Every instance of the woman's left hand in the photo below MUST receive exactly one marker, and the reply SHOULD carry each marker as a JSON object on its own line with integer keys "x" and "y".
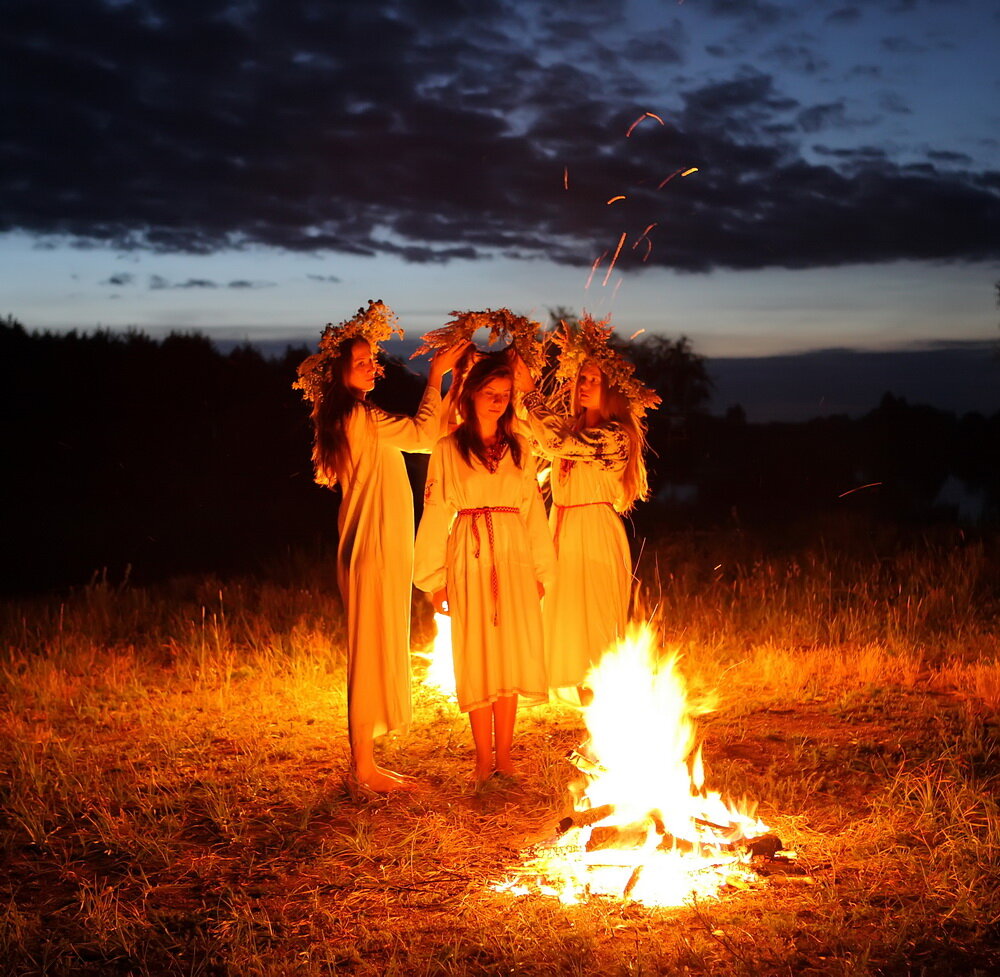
{"x": 445, "y": 359}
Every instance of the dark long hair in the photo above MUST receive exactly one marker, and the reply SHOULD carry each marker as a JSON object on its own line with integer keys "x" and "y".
{"x": 468, "y": 437}
{"x": 615, "y": 407}
{"x": 331, "y": 454}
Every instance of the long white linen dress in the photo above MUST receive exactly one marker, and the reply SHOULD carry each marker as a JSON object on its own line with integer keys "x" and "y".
{"x": 375, "y": 558}
{"x": 484, "y": 534}
{"x": 588, "y": 608}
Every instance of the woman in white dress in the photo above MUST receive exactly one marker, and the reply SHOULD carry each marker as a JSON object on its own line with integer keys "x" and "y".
{"x": 598, "y": 472}
{"x": 484, "y": 553}
{"x": 359, "y": 446}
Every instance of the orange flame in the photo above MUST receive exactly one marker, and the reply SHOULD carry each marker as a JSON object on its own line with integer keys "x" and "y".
{"x": 645, "y": 828}
{"x": 440, "y": 674}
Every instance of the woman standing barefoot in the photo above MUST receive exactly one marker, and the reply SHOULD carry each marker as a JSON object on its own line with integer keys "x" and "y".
{"x": 597, "y": 472}
{"x": 483, "y": 551}
{"x": 359, "y": 446}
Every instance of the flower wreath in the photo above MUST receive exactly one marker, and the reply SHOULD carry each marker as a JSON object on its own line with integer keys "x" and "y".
{"x": 376, "y": 324}
{"x": 591, "y": 341}
{"x": 516, "y": 330}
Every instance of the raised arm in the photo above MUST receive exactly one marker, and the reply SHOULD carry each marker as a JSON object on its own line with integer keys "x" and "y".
{"x": 420, "y": 432}
{"x": 431, "y": 546}
{"x": 607, "y": 445}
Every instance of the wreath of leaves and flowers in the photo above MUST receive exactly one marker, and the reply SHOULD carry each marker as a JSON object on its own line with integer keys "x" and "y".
{"x": 504, "y": 327}
{"x": 376, "y": 324}
{"x": 591, "y": 340}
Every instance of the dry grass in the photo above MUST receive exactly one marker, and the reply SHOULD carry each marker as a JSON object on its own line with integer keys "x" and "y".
{"x": 173, "y": 797}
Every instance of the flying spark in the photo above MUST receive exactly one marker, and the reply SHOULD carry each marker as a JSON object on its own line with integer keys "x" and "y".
{"x": 645, "y": 115}
{"x": 621, "y": 241}
{"x": 620, "y": 196}
{"x": 649, "y": 227}
{"x": 858, "y": 489}
{"x": 682, "y": 173}
{"x": 638, "y": 332}
{"x": 565, "y": 178}
{"x": 593, "y": 268}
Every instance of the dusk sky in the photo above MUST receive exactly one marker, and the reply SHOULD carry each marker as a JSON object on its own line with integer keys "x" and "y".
{"x": 255, "y": 169}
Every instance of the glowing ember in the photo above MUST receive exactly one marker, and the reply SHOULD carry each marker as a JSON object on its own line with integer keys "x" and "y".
{"x": 565, "y": 178}
{"x": 859, "y": 488}
{"x": 645, "y": 115}
{"x": 644, "y": 827}
{"x": 593, "y": 268}
{"x": 621, "y": 241}
{"x": 681, "y": 173}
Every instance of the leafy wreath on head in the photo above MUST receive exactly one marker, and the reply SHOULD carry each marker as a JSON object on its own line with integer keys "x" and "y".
{"x": 515, "y": 330}
{"x": 590, "y": 341}
{"x": 375, "y": 324}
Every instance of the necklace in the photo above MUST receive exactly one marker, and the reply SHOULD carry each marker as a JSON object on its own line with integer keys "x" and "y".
{"x": 493, "y": 453}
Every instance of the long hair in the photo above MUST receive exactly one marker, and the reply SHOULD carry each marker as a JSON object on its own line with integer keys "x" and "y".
{"x": 615, "y": 407}
{"x": 331, "y": 453}
{"x": 468, "y": 437}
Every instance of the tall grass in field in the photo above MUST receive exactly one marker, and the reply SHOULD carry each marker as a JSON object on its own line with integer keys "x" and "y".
{"x": 173, "y": 795}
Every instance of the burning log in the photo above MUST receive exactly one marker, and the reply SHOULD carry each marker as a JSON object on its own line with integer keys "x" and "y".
{"x": 618, "y": 836}
{"x": 649, "y": 831}
{"x": 581, "y": 819}
{"x": 766, "y": 846}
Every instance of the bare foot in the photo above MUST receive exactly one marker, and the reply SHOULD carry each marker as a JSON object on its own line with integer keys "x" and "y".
{"x": 383, "y": 781}
{"x": 403, "y": 778}
{"x": 505, "y": 768}
{"x": 482, "y": 774}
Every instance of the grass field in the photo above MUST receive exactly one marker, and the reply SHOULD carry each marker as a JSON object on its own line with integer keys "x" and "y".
{"x": 174, "y": 799}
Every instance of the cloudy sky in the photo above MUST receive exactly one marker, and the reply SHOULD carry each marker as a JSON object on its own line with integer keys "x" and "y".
{"x": 256, "y": 168}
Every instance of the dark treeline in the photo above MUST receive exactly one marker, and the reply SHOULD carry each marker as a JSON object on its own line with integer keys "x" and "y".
{"x": 161, "y": 457}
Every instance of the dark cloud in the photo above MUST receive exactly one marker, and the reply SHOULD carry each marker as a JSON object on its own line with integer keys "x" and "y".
{"x": 797, "y": 56}
{"x": 245, "y": 283}
{"x": 330, "y": 279}
{"x": 895, "y": 103}
{"x": 845, "y": 15}
{"x": 438, "y": 131}
{"x": 947, "y": 156}
{"x": 158, "y": 282}
{"x": 860, "y": 155}
{"x": 119, "y": 278}
{"x": 752, "y": 13}
{"x": 901, "y": 45}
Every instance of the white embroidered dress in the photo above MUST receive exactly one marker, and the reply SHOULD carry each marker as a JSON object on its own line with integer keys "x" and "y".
{"x": 484, "y": 535}
{"x": 375, "y": 558}
{"x": 587, "y": 610}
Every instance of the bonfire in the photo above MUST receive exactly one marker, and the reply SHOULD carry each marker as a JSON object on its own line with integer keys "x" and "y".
{"x": 644, "y": 827}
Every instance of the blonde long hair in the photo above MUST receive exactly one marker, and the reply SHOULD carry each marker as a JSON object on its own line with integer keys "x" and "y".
{"x": 615, "y": 406}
